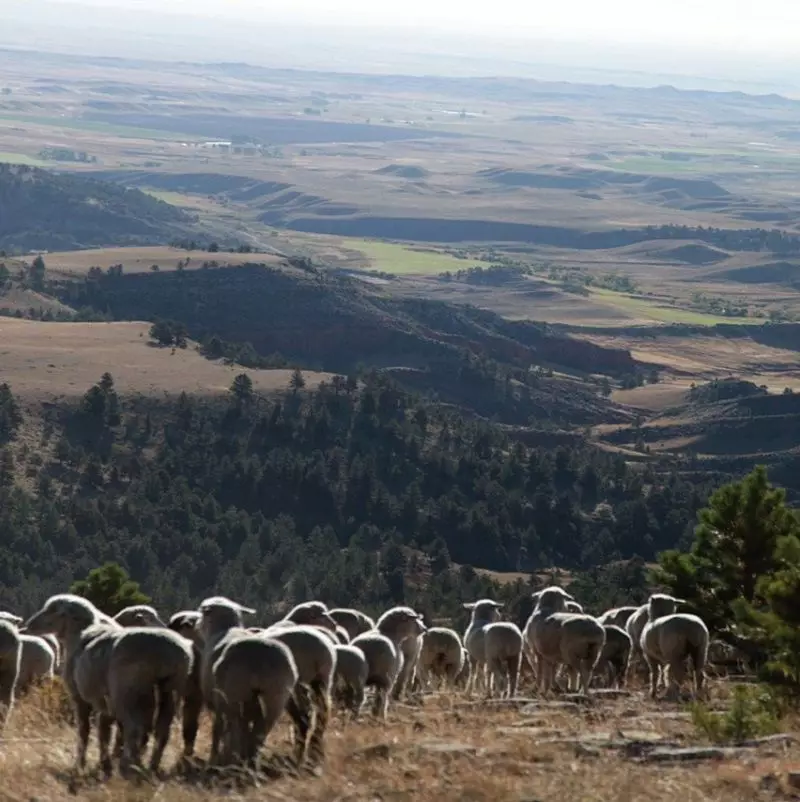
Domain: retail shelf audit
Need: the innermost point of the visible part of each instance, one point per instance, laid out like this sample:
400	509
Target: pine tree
735	546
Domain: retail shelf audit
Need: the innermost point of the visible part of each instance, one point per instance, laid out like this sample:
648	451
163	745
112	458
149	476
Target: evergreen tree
110	589
734	547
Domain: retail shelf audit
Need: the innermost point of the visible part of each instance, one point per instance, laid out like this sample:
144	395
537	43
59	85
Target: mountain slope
50	211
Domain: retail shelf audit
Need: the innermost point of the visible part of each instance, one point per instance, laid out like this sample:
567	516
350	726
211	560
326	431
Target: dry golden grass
444	749
47	360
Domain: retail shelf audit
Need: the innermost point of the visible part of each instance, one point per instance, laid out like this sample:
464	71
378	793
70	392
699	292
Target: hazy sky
748	25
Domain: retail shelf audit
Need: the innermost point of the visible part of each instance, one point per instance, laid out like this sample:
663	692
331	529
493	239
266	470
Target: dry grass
443	749
47	360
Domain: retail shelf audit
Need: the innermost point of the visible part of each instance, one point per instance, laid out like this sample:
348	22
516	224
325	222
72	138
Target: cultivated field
45	361
443	748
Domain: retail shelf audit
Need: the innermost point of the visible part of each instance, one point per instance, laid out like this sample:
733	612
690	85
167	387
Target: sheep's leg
166	713
8	679
654	675
586	671
192	705
677	673
270	714
299	709
83	716
322	705
357	701
105	723
136	713
217	732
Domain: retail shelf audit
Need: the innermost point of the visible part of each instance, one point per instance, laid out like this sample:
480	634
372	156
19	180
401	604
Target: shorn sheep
254	679
668	640
139	615
615	655
617	616
383	663
10	655
186	623
557	637
503	654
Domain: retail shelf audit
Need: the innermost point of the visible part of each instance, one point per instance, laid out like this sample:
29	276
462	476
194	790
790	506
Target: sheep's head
400	623
219	614
64	615
551	600
622	614
140	615
484	610
660	605
313	614
573	607
342	634
11	618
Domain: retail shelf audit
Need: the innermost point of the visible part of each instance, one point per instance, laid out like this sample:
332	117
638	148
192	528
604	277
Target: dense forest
358	492
47	210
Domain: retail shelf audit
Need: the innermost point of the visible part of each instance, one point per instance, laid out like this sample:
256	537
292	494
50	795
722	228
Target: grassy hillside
50	211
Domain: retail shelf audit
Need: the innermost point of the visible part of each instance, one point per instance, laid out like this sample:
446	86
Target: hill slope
34	203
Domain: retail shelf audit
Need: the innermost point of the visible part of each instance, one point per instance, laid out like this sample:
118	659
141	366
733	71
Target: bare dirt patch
51	360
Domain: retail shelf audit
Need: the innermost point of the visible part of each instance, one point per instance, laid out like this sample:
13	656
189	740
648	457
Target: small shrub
754	711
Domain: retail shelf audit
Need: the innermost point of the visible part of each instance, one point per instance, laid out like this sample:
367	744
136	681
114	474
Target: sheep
555	637
617	616
484	612
314	654
503	655
312	613
668	639
634	627
383	661
573	607
219	624
251	667
186	623
403	626
148	673
350	678
88	638
442	656
139	615
10	618
615	654
37	661
353	621
10	656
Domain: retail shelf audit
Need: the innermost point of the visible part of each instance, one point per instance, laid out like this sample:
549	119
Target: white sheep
557	637
254	679
404	627
313	613
350	679
442	656
314	653
187	624
615	655
148	673
502	642
88	638
668	639
37	661
617	616
354	621
139	615
383	661
10	655
634	626
483	613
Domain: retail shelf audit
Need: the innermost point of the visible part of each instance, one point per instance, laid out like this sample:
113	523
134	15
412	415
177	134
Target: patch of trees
66	155
359	493
724	390
168	334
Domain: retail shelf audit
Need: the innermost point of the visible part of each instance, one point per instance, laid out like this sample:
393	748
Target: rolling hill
51	211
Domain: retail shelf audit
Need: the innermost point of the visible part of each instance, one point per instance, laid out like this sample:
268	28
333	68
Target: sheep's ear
469	605
246	610
536	595
679	601
498	605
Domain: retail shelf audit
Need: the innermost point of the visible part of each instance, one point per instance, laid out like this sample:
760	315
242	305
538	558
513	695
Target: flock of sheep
134	672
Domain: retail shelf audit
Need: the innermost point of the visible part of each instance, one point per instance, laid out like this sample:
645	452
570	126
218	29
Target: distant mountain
40	210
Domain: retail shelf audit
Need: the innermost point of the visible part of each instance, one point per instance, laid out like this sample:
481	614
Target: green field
76	123
20	158
392	258
658	312
179	198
